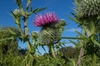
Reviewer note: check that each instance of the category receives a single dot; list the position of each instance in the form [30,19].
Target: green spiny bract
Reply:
[49,35]
[87,8]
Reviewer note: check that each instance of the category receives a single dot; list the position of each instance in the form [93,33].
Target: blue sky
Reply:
[60,7]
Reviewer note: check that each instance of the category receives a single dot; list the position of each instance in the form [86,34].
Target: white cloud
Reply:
[73,30]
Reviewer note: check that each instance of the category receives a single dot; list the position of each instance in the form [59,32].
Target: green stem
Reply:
[72,38]
[19,27]
[93,27]
[93,32]
[52,50]
[29,45]
[93,59]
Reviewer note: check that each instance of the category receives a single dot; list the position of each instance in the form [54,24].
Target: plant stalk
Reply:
[80,57]
[82,49]
[52,50]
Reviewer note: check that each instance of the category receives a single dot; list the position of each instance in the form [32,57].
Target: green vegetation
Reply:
[87,47]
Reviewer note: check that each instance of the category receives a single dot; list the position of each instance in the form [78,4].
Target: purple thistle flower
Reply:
[47,18]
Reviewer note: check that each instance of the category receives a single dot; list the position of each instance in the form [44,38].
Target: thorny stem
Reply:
[27,6]
[25,27]
[82,50]
[80,57]
[26,35]
[26,32]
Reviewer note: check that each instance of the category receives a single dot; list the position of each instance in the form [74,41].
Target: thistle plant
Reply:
[86,15]
[50,33]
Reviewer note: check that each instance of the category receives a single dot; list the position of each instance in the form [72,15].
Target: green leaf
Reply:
[74,19]
[29,46]
[19,3]
[38,10]
[31,60]
[12,32]
[4,39]
[94,41]
[77,44]
[93,28]
[28,2]
[98,17]
[82,36]
[79,34]
[73,42]
[73,61]
[13,15]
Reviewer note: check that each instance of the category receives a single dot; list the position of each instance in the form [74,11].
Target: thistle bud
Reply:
[16,12]
[34,35]
[60,23]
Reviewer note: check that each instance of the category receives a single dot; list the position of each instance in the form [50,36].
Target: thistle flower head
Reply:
[47,18]
[87,8]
